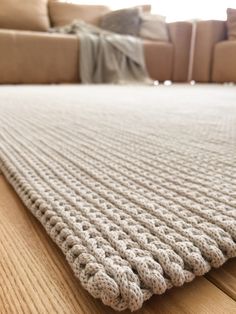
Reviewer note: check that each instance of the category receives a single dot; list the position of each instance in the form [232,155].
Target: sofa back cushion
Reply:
[24,15]
[64,13]
[231,23]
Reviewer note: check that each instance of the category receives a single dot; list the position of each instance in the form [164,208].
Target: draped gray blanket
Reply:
[106,57]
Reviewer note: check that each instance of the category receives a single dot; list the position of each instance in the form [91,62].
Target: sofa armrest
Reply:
[224,62]
[208,33]
[180,36]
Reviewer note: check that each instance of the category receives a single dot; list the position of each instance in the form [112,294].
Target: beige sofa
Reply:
[214,53]
[32,56]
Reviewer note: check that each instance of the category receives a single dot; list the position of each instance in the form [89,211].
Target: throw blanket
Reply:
[107,57]
[138,192]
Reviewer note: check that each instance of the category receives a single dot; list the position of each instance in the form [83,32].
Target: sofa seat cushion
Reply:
[65,13]
[34,57]
[224,62]
[40,58]
[159,59]
[24,15]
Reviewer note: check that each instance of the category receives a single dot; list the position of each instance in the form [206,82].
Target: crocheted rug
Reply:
[136,185]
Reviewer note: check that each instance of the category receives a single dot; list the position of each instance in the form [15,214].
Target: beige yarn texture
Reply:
[136,185]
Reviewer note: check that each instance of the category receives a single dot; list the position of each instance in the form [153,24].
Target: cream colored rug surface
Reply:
[136,185]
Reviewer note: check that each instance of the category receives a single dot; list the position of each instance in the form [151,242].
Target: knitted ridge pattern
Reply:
[137,189]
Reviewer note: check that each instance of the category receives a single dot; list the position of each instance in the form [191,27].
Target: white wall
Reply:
[175,9]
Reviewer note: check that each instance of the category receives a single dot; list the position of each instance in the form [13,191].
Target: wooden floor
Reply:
[35,278]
